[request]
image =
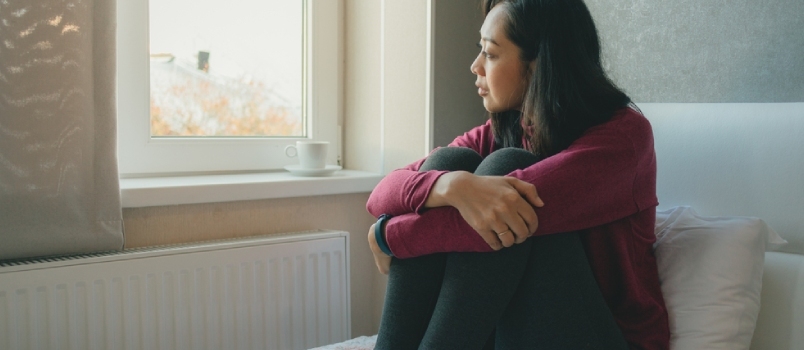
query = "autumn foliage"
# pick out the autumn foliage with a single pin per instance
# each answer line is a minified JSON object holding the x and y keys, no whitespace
{"x":203,"y":107}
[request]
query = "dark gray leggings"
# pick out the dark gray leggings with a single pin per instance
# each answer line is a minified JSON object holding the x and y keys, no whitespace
{"x":539,"y":294}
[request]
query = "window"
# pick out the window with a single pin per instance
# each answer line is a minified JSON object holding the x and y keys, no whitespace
{"x":221,"y":86}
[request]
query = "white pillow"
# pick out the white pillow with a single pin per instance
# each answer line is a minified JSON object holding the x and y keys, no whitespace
{"x":710,"y":269}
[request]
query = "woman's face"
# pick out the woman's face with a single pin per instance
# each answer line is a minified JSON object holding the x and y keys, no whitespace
{"x":501,"y":79}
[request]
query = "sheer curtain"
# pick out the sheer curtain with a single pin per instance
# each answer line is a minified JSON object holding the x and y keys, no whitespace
{"x":59,"y":187}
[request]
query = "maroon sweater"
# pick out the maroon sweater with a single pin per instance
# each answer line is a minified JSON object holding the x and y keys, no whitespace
{"x":604,"y":185}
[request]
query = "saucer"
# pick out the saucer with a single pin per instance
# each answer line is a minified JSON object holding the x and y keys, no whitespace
{"x":299,"y":171}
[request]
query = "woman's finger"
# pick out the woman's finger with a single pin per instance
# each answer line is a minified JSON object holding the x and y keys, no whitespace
{"x":491,"y":239}
{"x":521,"y":232}
{"x":530,"y":218}
{"x":518,"y":215}
{"x":506,"y":237}
{"x":518,"y":228}
{"x":527,"y":191}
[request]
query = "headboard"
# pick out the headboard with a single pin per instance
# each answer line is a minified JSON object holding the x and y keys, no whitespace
{"x":743,"y":159}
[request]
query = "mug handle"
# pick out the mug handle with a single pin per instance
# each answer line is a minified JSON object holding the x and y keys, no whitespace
{"x":288,"y":148}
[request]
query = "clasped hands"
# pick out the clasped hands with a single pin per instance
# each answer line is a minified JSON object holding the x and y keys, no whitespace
{"x":499,"y":208}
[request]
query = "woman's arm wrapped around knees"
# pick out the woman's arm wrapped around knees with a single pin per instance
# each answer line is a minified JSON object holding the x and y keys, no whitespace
{"x":498,"y":208}
{"x":592,"y":183}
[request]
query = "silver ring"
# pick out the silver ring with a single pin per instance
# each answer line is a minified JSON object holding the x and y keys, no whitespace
{"x":502,"y":233}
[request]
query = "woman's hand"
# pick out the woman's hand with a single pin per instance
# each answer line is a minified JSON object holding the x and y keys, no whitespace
{"x":383,"y":261}
{"x":499,"y":208}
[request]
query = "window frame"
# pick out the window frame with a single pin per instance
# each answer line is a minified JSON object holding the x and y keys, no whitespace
{"x":141,"y":155}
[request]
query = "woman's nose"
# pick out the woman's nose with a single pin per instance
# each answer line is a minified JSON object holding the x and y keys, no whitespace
{"x":476,"y":68}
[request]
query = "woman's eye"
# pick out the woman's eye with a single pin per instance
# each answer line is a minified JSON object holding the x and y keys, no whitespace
{"x":483,"y":52}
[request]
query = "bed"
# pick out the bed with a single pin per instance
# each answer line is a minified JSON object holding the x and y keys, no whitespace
{"x":729,"y":180}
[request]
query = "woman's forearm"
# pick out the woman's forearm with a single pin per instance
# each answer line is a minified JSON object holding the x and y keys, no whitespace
{"x":436,"y":230}
{"x":444,"y":189}
{"x":402,"y":191}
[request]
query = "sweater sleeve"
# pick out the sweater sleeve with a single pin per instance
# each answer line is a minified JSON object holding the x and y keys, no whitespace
{"x":406,"y":190}
{"x":603,"y":176}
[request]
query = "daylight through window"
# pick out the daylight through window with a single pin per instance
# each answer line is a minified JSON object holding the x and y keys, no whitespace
{"x":226,"y":68}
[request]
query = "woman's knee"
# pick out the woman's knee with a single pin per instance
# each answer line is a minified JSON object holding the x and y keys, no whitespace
{"x":506,"y":160}
{"x":452,"y":159}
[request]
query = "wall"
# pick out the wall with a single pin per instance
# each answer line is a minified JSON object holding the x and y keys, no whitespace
{"x":708,"y":51}
{"x":404,"y":82}
{"x":456,"y":105}
{"x":362,"y":136}
{"x":386,"y":111}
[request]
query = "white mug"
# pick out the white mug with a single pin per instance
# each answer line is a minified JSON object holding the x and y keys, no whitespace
{"x":312,"y":154}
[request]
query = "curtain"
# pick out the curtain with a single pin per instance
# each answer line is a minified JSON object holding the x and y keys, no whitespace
{"x":59,"y":186}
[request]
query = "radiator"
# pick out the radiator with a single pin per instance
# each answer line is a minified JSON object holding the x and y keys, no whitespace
{"x":275,"y":292}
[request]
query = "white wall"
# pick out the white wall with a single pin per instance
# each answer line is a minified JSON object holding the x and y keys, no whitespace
{"x":386,"y":116}
{"x":456,"y":105}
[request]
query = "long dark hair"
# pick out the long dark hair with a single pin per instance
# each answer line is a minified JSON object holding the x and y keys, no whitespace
{"x":568,"y":90}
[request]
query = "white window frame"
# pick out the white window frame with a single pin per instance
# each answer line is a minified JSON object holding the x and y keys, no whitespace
{"x":141,"y":155}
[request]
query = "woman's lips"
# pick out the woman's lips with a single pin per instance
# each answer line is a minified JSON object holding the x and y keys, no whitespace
{"x":482,"y":92}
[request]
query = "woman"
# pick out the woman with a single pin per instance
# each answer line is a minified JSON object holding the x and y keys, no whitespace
{"x":534,"y":230}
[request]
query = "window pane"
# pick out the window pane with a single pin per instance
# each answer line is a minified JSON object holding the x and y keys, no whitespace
{"x":226,"y":68}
